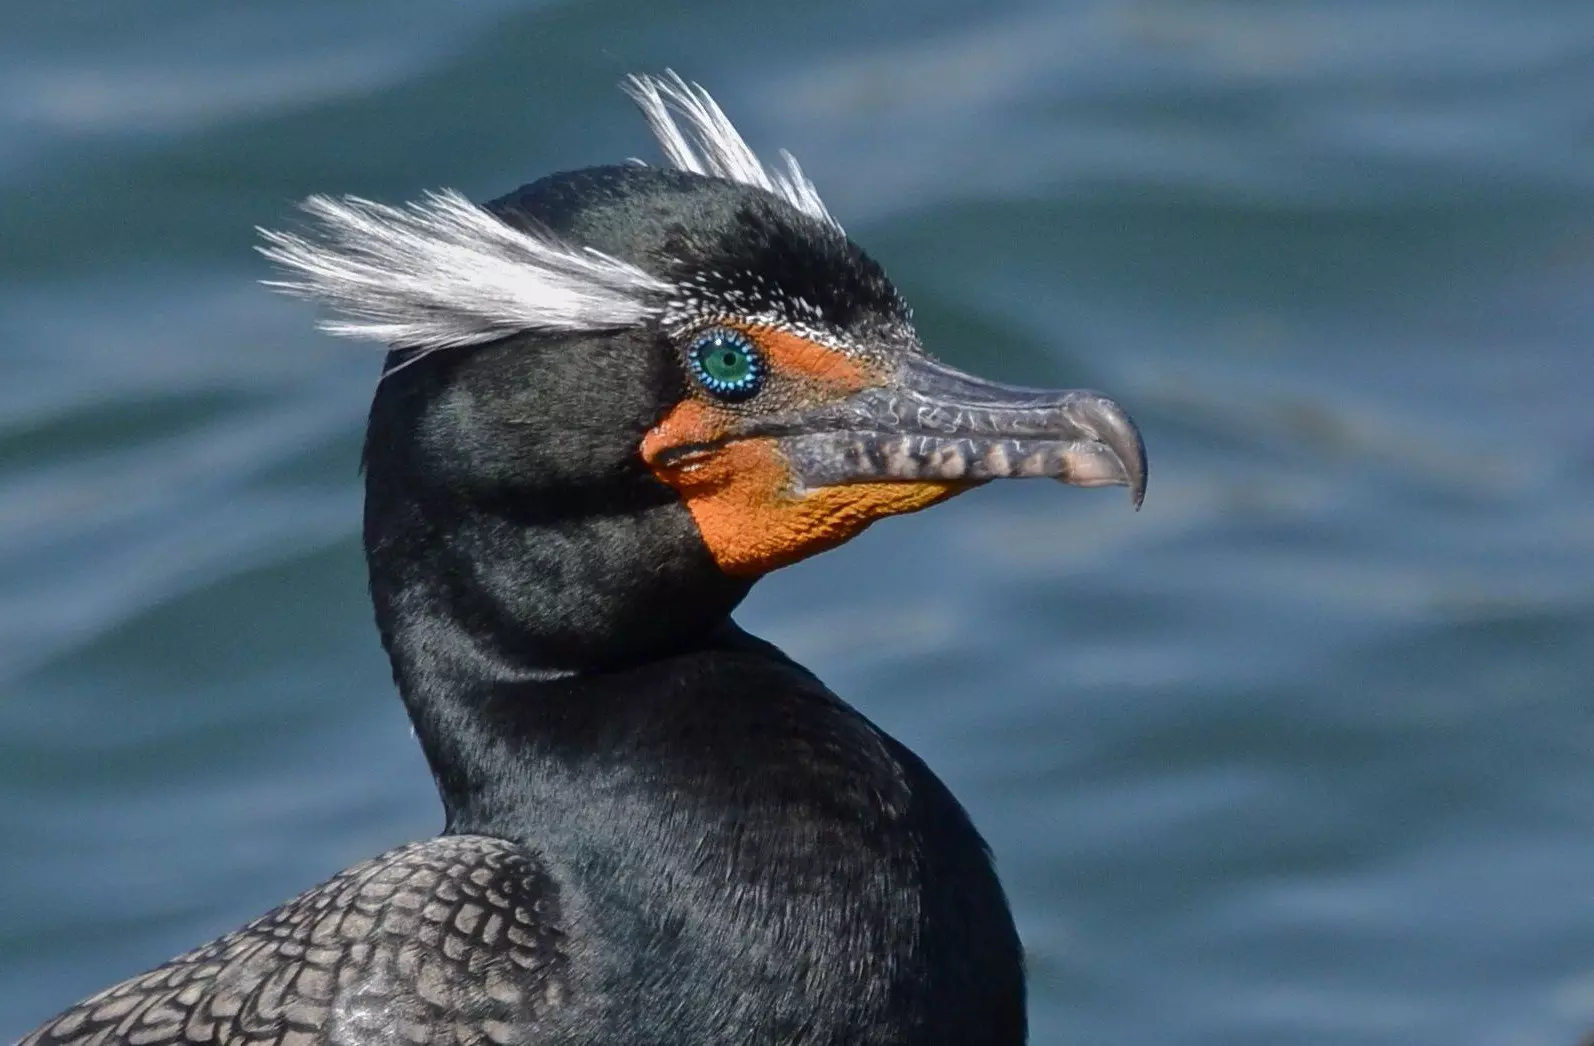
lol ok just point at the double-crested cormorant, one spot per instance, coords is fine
(614, 399)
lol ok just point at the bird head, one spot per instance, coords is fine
(694, 353)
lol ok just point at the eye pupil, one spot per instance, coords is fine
(727, 364)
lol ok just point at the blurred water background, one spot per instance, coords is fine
(1302, 753)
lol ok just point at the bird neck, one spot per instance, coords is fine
(696, 766)
(513, 741)
(504, 629)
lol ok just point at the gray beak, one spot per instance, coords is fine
(937, 424)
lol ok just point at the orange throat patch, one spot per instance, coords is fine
(741, 496)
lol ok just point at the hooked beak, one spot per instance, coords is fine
(935, 424)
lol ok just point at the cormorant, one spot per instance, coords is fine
(614, 399)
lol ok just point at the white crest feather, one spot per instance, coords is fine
(443, 272)
(709, 144)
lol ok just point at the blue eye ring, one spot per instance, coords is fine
(726, 363)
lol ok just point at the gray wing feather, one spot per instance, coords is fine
(449, 942)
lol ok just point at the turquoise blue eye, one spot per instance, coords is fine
(726, 364)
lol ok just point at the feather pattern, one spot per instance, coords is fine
(450, 942)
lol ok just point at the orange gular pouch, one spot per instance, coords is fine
(741, 495)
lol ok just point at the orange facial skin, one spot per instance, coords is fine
(741, 492)
(793, 356)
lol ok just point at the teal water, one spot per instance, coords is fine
(1301, 753)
